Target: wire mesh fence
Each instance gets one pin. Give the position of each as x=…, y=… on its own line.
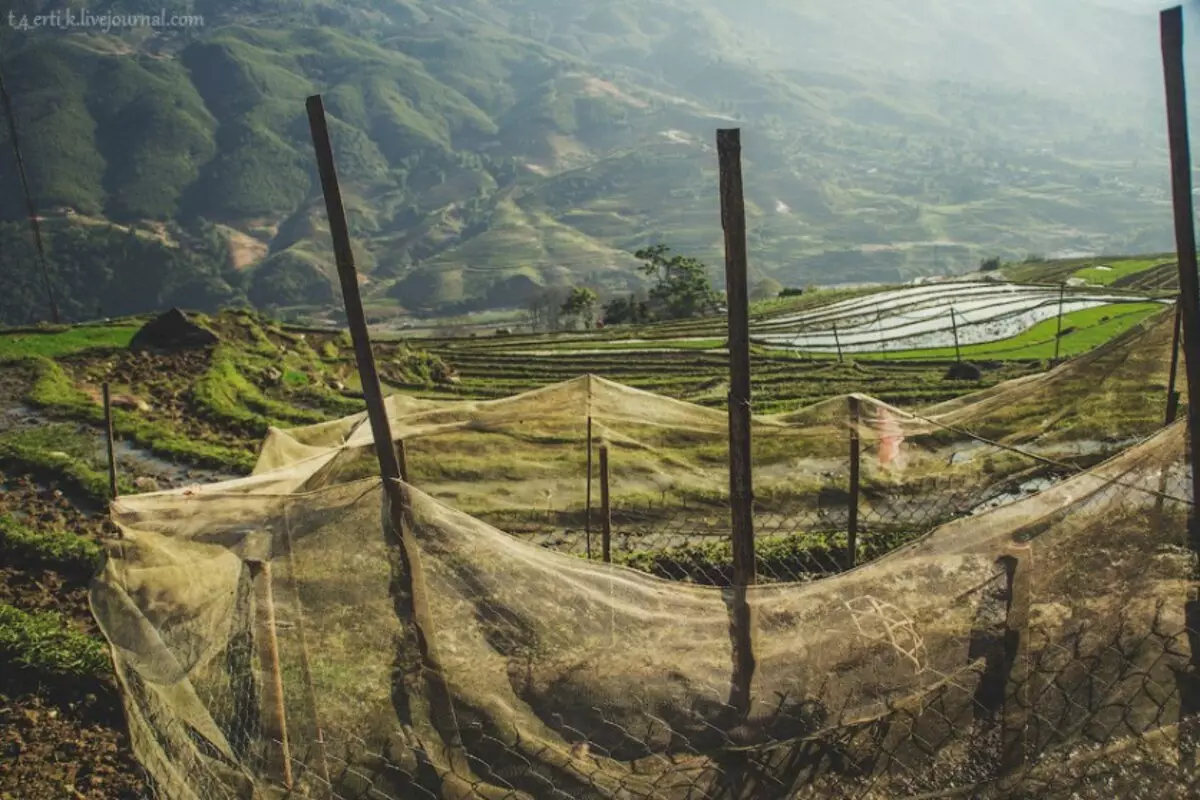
x=1005, y=643
x=1019, y=621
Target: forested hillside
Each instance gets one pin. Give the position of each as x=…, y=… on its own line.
x=491, y=147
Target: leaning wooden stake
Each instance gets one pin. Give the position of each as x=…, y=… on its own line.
x=30, y=206
x=1171, y=23
x=269, y=657
x=741, y=495
x=605, y=510
x=837, y=342
x=412, y=577
x=855, y=452
x=108, y=438
x=1172, y=394
x=587, y=512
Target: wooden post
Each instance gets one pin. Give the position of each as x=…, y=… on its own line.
x=268, y=655
x=1171, y=23
x=108, y=438
x=1017, y=694
x=879, y=328
x=305, y=661
x=855, y=447
x=411, y=576
x=587, y=512
x=348, y=277
x=741, y=495
x=605, y=510
x=1058, y=335
x=954, y=327
x=1172, y=395
x=402, y=459
x=837, y=342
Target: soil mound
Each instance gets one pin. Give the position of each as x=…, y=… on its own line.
x=172, y=331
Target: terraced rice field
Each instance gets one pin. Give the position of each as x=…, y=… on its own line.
x=894, y=344
x=779, y=383
x=930, y=317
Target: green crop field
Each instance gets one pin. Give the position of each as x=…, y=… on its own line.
x=1082, y=331
x=63, y=343
x=1120, y=269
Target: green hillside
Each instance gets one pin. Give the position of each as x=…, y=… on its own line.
x=482, y=142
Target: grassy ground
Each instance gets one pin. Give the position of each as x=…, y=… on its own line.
x=53, y=345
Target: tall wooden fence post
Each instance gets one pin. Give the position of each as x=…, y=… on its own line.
x=605, y=510
x=1172, y=394
x=855, y=447
x=741, y=494
x=587, y=512
x=108, y=438
x=954, y=328
x=1062, y=290
x=410, y=579
x=402, y=459
x=1171, y=32
x=837, y=341
x=268, y=641
x=1171, y=23
x=1017, y=694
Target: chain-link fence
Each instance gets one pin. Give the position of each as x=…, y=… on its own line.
x=686, y=537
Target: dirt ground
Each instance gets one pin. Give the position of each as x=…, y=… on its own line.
x=58, y=740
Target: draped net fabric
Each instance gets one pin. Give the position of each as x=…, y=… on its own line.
x=310, y=632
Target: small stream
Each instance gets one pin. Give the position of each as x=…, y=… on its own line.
x=131, y=459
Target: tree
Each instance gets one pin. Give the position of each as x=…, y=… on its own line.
x=581, y=305
x=989, y=264
x=545, y=309
x=681, y=288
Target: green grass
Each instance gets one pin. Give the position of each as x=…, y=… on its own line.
x=1119, y=269
x=711, y=562
x=1093, y=327
x=52, y=390
x=229, y=397
x=60, y=452
x=55, y=549
x=44, y=643
x=15, y=346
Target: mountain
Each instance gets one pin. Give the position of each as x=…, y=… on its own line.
x=490, y=147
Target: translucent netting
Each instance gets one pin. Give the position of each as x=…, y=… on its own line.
x=521, y=463
x=1014, y=643
x=285, y=629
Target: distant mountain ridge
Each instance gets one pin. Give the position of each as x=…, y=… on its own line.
x=491, y=147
